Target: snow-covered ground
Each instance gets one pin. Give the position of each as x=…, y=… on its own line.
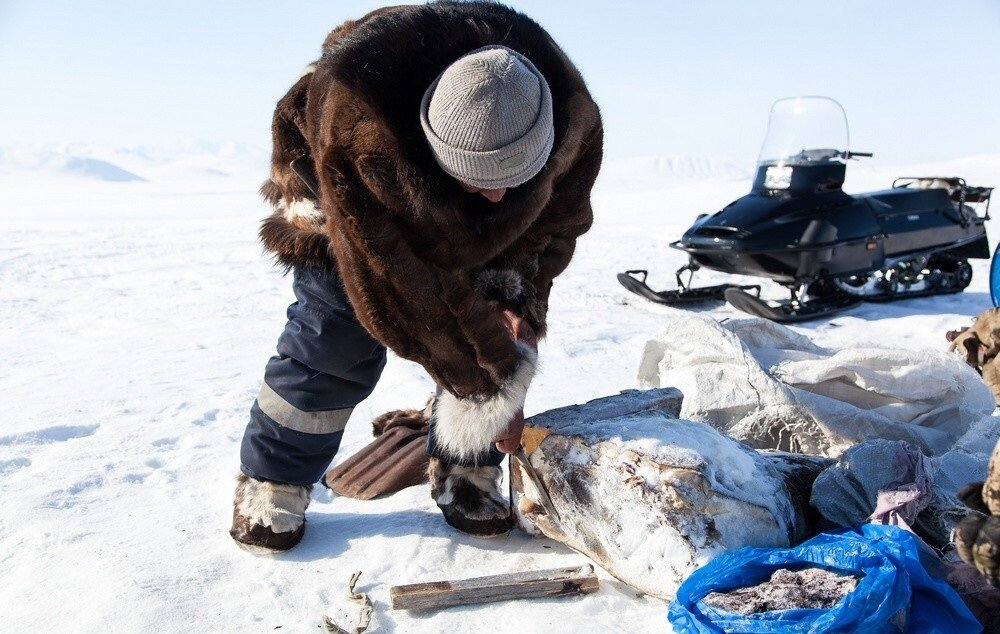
x=136, y=315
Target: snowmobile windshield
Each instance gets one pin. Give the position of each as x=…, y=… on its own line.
x=805, y=131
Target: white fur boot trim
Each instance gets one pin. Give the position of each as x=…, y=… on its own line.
x=280, y=507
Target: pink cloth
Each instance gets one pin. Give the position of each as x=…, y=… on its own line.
x=901, y=500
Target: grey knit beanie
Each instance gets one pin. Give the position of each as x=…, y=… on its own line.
x=488, y=118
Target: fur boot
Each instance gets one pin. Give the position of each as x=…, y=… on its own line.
x=977, y=537
x=268, y=517
x=470, y=498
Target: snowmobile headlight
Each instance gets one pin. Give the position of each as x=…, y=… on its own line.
x=778, y=177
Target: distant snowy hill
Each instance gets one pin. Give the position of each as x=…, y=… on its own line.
x=75, y=180
x=96, y=168
x=209, y=160
x=981, y=170
x=60, y=163
x=654, y=172
x=123, y=165
x=651, y=173
x=173, y=181
x=206, y=162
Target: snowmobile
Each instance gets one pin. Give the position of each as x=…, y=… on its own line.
x=832, y=250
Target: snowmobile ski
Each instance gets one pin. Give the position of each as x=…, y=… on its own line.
x=681, y=295
x=793, y=311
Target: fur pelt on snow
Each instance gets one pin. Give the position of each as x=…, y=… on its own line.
x=428, y=267
x=979, y=345
x=977, y=537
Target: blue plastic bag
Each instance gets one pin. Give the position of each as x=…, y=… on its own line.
x=892, y=582
x=995, y=278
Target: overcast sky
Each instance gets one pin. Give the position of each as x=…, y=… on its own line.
x=920, y=80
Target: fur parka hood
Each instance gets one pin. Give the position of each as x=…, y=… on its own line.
x=428, y=267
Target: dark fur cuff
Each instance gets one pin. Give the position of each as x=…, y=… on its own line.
x=500, y=284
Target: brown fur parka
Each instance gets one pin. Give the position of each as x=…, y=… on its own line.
x=428, y=267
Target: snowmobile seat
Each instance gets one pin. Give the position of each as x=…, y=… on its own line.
x=977, y=194
x=958, y=190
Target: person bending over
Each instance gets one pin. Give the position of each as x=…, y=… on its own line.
x=430, y=175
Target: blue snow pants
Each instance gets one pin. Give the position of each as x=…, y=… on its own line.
x=326, y=364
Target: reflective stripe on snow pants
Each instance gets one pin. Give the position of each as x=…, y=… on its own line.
x=326, y=364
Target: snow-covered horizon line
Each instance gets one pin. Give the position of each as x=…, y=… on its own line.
x=194, y=157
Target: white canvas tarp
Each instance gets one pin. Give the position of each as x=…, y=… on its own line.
x=771, y=388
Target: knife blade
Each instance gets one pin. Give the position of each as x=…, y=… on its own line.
x=522, y=459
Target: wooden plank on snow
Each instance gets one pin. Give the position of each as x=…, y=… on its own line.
x=517, y=585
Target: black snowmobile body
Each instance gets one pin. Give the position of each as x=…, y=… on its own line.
x=831, y=249
x=815, y=229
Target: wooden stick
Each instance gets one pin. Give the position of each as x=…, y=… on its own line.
x=517, y=585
